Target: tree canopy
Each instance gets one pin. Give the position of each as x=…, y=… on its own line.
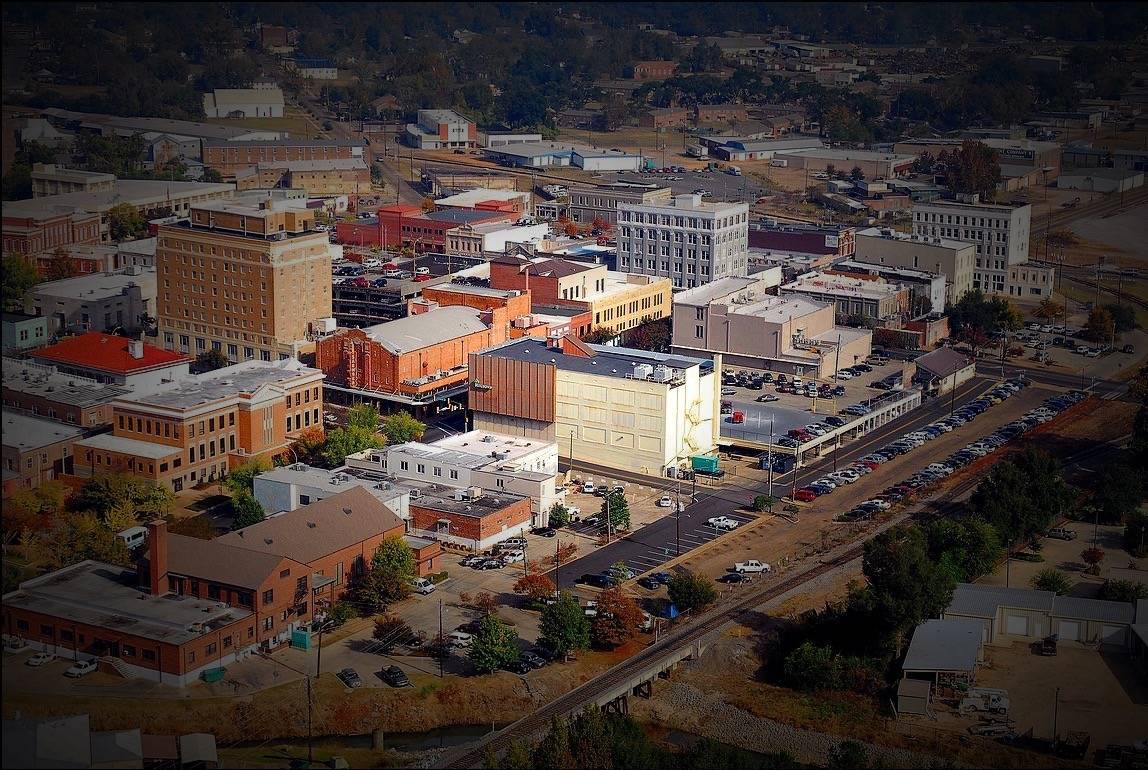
x=401, y=427
x=494, y=646
x=563, y=626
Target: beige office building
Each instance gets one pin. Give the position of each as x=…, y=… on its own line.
x=588, y=204
x=953, y=259
x=246, y=280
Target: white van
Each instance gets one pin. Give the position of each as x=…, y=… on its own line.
x=459, y=639
x=422, y=586
x=133, y=536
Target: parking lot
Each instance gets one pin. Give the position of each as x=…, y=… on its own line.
x=1054, y=345
x=720, y=185
x=792, y=411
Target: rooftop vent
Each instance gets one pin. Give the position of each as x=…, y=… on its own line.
x=268, y=540
x=311, y=525
x=347, y=511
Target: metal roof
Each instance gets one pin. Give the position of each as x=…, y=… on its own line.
x=24, y=432
x=983, y=601
x=1077, y=607
x=420, y=331
x=944, y=645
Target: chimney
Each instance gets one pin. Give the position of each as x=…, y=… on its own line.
x=157, y=556
x=136, y=349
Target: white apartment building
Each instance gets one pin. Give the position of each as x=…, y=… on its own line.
x=1000, y=234
x=493, y=461
x=688, y=241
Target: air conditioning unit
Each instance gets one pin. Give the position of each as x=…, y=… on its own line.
x=336, y=481
x=643, y=371
x=488, y=439
x=663, y=374
x=415, y=494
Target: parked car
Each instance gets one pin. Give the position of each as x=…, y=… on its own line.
x=533, y=659
x=459, y=639
x=40, y=659
x=752, y=565
x=722, y=523
x=422, y=585
x=545, y=531
x=395, y=677
x=1062, y=533
x=82, y=668
x=665, y=501
x=805, y=495
x=350, y=677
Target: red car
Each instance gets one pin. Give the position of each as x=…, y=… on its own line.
x=869, y=464
x=422, y=278
x=737, y=417
x=805, y=495
x=361, y=281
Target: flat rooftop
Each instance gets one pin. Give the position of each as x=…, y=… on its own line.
x=288, y=142
x=779, y=309
x=137, y=192
x=850, y=154
x=107, y=596
x=486, y=504
x=46, y=382
x=889, y=234
x=26, y=432
x=416, y=332
x=329, y=164
x=477, y=445
x=702, y=296
x=462, y=216
x=859, y=265
x=478, y=291
x=158, y=125
x=842, y=286
x=608, y=361
x=539, y=149
x=478, y=195
x=129, y=446
x=379, y=484
x=246, y=377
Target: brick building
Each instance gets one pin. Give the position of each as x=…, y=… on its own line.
x=229, y=157
x=407, y=225
x=718, y=113
x=113, y=359
x=44, y=391
x=44, y=231
x=413, y=356
x=478, y=519
x=196, y=429
x=318, y=177
x=654, y=70
x=665, y=117
x=245, y=280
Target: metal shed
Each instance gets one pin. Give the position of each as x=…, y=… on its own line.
x=945, y=652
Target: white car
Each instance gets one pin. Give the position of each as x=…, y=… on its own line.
x=459, y=639
x=665, y=501
x=944, y=470
x=826, y=481
x=372, y=263
x=843, y=376
x=330, y=418
x=422, y=271
x=880, y=505
x=510, y=557
x=573, y=510
x=722, y=522
x=82, y=668
x=40, y=659
x=588, y=488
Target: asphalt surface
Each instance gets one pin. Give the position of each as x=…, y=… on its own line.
x=724, y=187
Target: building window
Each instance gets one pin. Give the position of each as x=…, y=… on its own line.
x=127, y=650
x=149, y=654
x=269, y=596
x=285, y=573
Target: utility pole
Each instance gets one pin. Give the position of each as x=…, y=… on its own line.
x=771, y=457
x=310, y=743
x=441, y=639
x=1055, y=714
x=678, y=515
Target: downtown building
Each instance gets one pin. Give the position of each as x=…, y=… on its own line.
x=246, y=280
x=688, y=241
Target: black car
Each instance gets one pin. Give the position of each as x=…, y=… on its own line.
x=350, y=677
x=754, y=384
x=734, y=578
x=835, y=421
x=863, y=368
x=598, y=581
x=650, y=582
x=490, y=564
x=519, y=666
x=839, y=390
x=395, y=677
x=533, y=659
x=545, y=531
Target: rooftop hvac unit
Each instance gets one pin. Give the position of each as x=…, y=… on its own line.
x=663, y=374
x=336, y=481
x=643, y=371
x=461, y=494
x=488, y=439
x=298, y=467
x=415, y=494
x=383, y=485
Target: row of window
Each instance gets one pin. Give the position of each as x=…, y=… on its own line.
x=666, y=220
x=652, y=264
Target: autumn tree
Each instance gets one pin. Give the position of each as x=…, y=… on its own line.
x=1100, y=325
x=1048, y=308
x=618, y=619
x=570, y=229
x=1092, y=556
x=974, y=167
x=125, y=222
x=391, y=631
x=61, y=265
x=18, y=276
x=308, y=445
x=535, y=587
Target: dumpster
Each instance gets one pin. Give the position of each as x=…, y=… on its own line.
x=705, y=463
x=211, y=675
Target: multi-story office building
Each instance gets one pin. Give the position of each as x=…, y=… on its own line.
x=1000, y=234
x=193, y=430
x=46, y=392
x=615, y=407
x=439, y=129
x=36, y=450
x=602, y=202
x=245, y=280
x=952, y=258
x=50, y=179
x=690, y=242
x=103, y=302
x=871, y=298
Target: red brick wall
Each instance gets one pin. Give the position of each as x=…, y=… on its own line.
x=542, y=289
x=515, y=306
x=472, y=527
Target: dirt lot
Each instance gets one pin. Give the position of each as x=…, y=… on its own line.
x=1100, y=693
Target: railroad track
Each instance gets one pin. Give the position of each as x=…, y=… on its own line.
x=1058, y=219
x=474, y=755
x=1091, y=285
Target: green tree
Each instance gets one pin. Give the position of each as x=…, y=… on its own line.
x=1022, y=495
x=974, y=167
x=564, y=627
x=101, y=494
x=856, y=174
x=394, y=556
x=1100, y=325
x=1120, y=492
x=210, y=360
x=125, y=222
x=764, y=503
x=848, y=755
x=616, y=509
x=19, y=276
x=211, y=175
x=363, y=417
x=247, y=510
x=966, y=548
x=653, y=335
x=812, y=667
x=1123, y=591
x=906, y=586
x=242, y=477
x=73, y=538
x=401, y=427
x=1136, y=534
x=494, y=646
x=691, y=590
x=600, y=335
x=345, y=441
x=1049, y=579
x=61, y=266
x=1123, y=315
x=559, y=516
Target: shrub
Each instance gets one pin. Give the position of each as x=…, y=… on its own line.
x=1050, y=579
x=340, y=613
x=1123, y=591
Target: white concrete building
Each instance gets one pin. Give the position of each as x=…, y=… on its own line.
x=948, y=257
x=501, y=140
x=493, y=461
x=95, y=302
x=1101, y=180
x=294, y=486
x=688, y=241
x=441, y=129
x=266, y=102
x=50, y=179
x=1000, y=234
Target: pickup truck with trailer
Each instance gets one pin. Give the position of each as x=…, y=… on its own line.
x=752, y=565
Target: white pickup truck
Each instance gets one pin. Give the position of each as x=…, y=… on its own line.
x=751, y=566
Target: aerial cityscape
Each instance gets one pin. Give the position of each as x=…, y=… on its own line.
x=559, y=385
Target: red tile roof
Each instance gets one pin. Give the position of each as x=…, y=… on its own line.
x=108, y=353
